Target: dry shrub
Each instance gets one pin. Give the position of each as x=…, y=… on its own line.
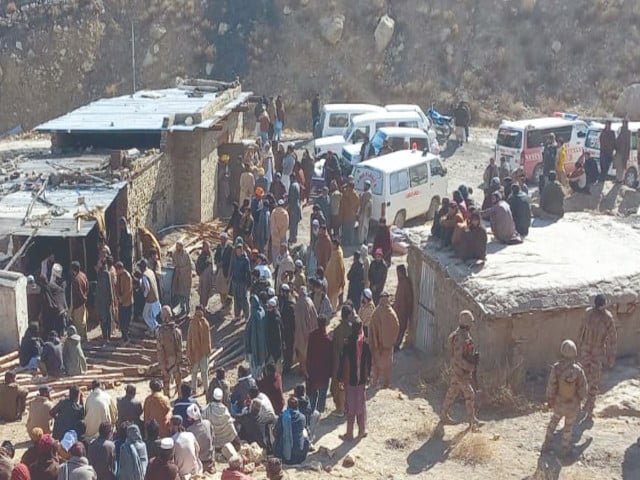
x=505, y=401
x=473, y=449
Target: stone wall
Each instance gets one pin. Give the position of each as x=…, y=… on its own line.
x=149, y=196
x=513, y=345
x=14, y=316
x=184, y=150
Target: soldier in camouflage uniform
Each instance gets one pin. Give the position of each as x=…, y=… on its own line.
x=598, y=342
x=463, y=361
x=566, y=390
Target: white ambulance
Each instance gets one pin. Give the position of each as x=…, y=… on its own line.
x=521, y=142
x=592, y=149
x=404, y=184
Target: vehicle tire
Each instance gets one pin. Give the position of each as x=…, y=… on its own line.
x=401, y=218
x=539, y=170
x=631, y=177
x=433, y=208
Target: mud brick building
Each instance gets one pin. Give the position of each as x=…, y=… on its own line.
x=527, y=298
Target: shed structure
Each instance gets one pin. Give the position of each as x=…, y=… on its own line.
x=527, y=298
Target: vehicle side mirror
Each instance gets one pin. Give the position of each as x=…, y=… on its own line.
x=581, y=134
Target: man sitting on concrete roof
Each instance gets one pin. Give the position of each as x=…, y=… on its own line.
x=551, y=200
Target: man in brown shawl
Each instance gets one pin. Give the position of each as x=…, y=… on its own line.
x=181, y=285
x=204, y=269
x=323, y=247
x=383, y=334
x=403, y=304
x=336, y=275
x=306, y=322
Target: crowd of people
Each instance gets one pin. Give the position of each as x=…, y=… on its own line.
x=285, y=292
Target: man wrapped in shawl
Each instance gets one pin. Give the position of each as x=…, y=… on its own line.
x=255, y=342
x=306, y=318
x=291, y=442
x=133, y=456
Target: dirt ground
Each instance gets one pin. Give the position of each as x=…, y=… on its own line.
x=401, y=421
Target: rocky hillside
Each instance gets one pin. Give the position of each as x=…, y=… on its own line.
x=505, y=56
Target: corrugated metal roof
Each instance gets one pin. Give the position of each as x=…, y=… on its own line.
x=143, y=111
x=13, y=208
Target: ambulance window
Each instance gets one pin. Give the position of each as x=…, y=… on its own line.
x=339, y=120
x=536, y=138
x=411, y=124
x=397, y=143
x=398, y=181
x=436, y=168
x=593, y=139
x=380, y=125
x=509, y=138
x=419, y=175
x=564, y=133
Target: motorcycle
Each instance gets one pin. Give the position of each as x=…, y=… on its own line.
x=443, y=124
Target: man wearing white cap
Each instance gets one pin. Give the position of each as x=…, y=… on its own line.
x=203, y=431
x=299, y=278
x=279, y=227
x=163, y=467
x=284, y=265
x=367, y=307
x=224, y=430
x=275, y=343
x=55, y=309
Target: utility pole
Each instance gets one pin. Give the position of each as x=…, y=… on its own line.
x=133, y=57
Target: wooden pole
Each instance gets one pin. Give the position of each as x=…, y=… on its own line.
x=21, y=251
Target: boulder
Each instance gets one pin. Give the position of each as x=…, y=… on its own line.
x=332, y=28
x=623, y=400
x=384, y=32
x=157, y=32
x=287, y=10
x=628, y=104
x=223, y=28
x=348, y=461
x=556, y=46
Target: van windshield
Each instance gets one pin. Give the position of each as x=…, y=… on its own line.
x=593, y=139
x=362, y=173
x=509, y=138
x=349, y=131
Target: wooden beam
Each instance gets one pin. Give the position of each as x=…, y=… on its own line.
x=218, y=127
x=241, y=108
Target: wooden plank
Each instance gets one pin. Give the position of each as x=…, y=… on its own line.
x=9, y=357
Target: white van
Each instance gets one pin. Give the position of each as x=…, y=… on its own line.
x=405, y=184
x=366, y=125
x=520, y=142
x=399, y=138
x=335, y=117
x=592, y=149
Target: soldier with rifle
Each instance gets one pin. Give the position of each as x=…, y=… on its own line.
x=464, y=360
